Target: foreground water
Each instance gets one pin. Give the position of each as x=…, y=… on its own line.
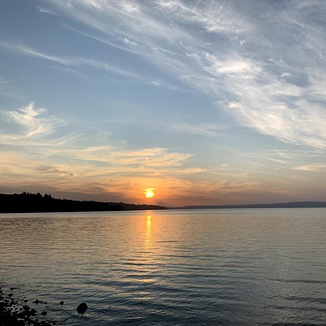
x=175, y=267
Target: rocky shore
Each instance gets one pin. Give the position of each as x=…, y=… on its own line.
x=17, y=312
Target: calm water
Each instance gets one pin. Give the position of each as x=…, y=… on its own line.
x=186, y=267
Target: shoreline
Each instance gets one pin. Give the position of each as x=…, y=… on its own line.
x=15, y=311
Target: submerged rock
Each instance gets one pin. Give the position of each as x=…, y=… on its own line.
x=82, y=308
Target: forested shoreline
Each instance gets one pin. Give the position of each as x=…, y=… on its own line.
x=33, y=203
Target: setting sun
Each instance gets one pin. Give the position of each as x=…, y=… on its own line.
x=149, y=193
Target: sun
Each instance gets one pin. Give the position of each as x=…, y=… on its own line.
x=149, y=192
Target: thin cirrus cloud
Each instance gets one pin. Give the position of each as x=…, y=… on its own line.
x=263, y=64
x=204, y=129
x=313, y=167
x=67, y=61
x=75, y=62
x=27, y=122
x=145, y=157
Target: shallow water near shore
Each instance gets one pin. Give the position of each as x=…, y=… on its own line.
x=174, y=267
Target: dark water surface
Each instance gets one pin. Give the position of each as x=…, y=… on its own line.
x=175, y=267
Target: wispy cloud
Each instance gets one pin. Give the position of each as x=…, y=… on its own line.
x=313, y=167
x=267, y=61
x=78, y=62
x=204, y=129
x=68, y=61
x=44, y=10
x=151, y=157
x=148, y=159
x=24, y=49
x=28, y=122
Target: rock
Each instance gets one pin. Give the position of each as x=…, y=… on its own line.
x=28, y=313
x=43, y=313
x=82, y=308
x=36, y=301
x=61, y=302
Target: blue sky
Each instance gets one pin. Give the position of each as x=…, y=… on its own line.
x=205, y=102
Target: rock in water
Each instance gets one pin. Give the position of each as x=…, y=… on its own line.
x=82, y=308
x=61, y=302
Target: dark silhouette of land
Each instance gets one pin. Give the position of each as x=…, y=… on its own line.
x=33, y=203
x=300, y=204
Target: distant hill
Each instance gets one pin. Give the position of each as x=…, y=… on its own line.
x=299, y=204
x=32, y=203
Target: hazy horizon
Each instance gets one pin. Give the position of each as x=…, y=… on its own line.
x=186, y=102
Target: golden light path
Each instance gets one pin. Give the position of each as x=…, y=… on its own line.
x=148, y=230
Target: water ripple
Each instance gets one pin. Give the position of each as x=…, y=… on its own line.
x=251, y=267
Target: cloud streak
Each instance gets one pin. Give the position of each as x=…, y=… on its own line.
x=28, y=123
x=68, y=61
x=313, y=167
x=264, y=62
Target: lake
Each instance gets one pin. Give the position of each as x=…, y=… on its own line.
x=173, y=267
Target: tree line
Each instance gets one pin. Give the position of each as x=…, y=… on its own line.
x=32, y=203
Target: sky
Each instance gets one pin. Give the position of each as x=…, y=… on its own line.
x=201, y=102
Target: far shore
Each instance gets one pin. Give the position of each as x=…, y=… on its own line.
x=300, y=204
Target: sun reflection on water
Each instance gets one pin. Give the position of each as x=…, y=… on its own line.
x=148, y=231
